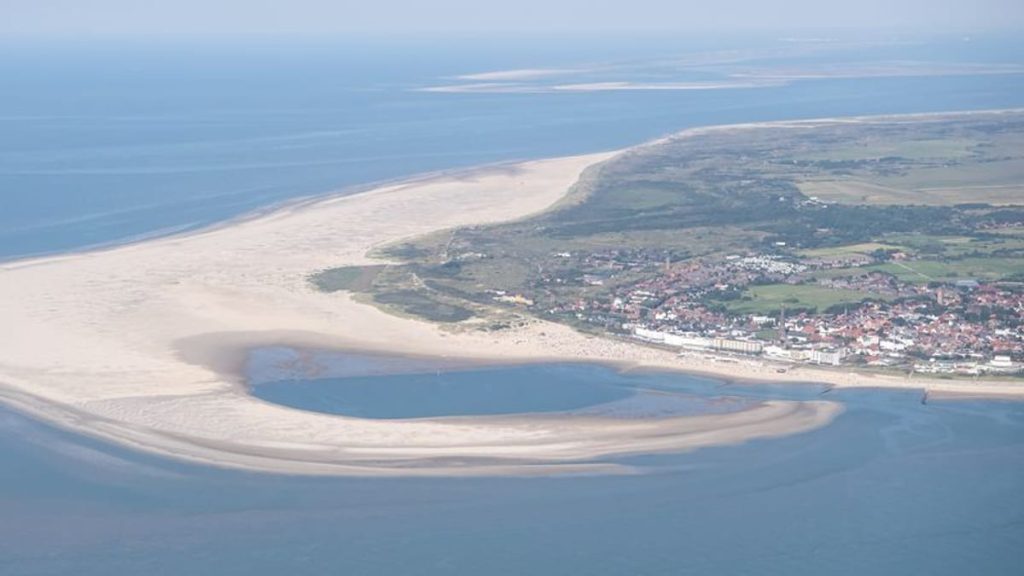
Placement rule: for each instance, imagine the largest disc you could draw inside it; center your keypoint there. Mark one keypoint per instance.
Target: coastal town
(842, 310)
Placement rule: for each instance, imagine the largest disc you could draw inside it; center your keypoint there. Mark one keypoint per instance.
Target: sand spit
(141, 344)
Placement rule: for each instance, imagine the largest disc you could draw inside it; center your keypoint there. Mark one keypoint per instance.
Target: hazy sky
(242, 17)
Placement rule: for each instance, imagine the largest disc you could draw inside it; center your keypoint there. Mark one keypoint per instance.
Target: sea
(107, 142)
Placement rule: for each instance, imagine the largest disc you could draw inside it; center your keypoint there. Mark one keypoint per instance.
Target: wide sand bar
(140, 344)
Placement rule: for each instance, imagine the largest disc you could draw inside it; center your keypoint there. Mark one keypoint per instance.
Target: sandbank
(142, 344)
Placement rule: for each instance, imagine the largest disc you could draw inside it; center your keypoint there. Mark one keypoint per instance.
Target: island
(888, 245)
(599, 258)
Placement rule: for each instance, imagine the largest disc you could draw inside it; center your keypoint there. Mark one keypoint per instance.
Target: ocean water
(108, 143)
(893, 486)
(102, 144)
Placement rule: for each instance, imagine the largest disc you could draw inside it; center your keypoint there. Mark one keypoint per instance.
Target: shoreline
(369, 187)
(288, 204)
(141, 344)
(811, 375)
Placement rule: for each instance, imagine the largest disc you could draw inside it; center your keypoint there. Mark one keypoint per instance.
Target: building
(1001, 363)
(830, 357)
(690, 341)
(741, 346)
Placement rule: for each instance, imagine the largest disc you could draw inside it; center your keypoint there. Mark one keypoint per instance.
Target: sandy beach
(142, 344)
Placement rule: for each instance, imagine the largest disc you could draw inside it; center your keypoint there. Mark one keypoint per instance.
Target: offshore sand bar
(140, 344)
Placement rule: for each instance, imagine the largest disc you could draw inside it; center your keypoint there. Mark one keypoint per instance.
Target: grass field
(1001, 177)
(897, 192)
(839, 251)
(940, 148)
(920, 271)
(772, 297)
(936, 167)
(957, 246)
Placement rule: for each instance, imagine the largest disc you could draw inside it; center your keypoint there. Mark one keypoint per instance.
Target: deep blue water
(102, 144)
(891, 487)
(106, 143)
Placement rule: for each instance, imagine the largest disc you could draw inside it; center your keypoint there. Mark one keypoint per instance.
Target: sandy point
(140, 344)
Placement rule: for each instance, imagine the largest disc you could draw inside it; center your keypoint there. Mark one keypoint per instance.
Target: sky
(92, 18)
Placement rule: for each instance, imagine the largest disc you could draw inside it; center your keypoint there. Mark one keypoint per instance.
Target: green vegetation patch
(941, 148)
(982, 245)
(417, 303)
(922, 271)
(865, 248)
(348, 278)
(770, 298)
(929, 189)
(934, 189)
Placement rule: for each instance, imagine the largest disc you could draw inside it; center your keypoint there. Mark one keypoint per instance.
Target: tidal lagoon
(892, 486)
